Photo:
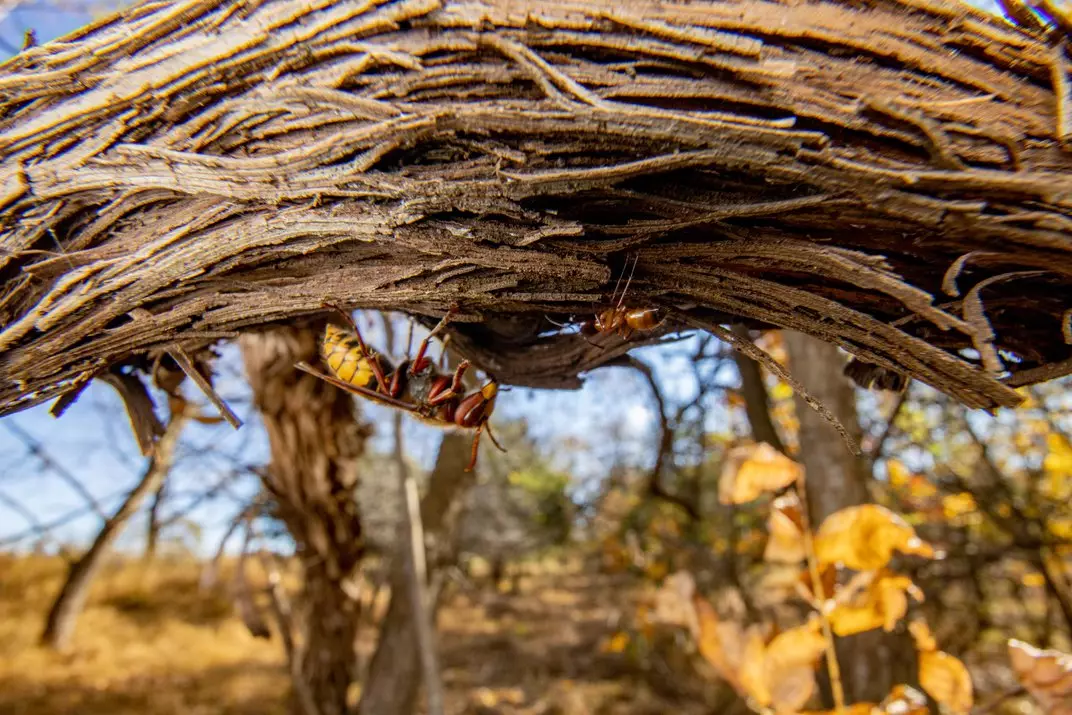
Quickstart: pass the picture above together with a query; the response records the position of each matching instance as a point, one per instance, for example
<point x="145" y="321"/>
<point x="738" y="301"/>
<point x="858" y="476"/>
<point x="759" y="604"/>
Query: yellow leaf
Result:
<point x="1045" y="674"/>
<point x="881" y="605"/>
<point x="1033" y="580"/>
<point x="1059" y="454"/>
<point x="864" y="538"/>
<point x="897" y="473"/>
<point x="751" y="470"/>
<point x="920" y="488"/>
<point x="797" y="646"/>
<point x="956" y="505"/>
<point x="923" y="637"/>
<point x="946" y="680"/>
<point x="617" y="644"/>
<point x="781" y="391"/>
<point x="785" y="543"/>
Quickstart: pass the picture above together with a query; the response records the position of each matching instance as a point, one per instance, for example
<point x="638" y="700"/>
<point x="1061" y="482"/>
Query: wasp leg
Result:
<point x="476" y="444"/>
<point x="456" y="387"/>
<point x="593" y="343"/>
<point x="418" y="359"/>
<point x="491" y="436"/>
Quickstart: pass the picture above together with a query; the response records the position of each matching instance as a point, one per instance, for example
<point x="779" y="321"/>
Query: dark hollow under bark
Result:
<point x="887" y="175"/>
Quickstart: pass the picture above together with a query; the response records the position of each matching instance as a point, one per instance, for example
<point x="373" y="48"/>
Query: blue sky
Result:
<point x="93" y="441"/>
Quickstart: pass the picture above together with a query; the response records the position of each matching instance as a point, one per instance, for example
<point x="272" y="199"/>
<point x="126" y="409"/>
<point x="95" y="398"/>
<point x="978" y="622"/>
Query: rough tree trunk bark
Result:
<point x="63" y="616"/>
<point x="872" y="662"/>
<point x="394" y="678"/>
<point x="315" y="439"/>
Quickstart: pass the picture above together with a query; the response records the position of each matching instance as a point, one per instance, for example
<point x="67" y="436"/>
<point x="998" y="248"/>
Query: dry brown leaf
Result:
<point x="1045" y="674"/>
<point x="673" y="603"/>
<point x="904" y="700"/>
<point x="854" y="709"/>
<point x="791" y="689"/>
<point x="827" y="580"/>
<point x="790" y="666"/>
<point x="785" y="542"/>
<point x="753" y="673"/>
<point x="864" y="538"/>
<point x="882" y="604"/>
<point x="749" y="471"/>
<point x="720" y="643"/>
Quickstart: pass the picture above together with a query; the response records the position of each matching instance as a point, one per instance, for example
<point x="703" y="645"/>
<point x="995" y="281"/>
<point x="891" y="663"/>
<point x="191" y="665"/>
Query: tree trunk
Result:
<point x="152" y="528"/>
<point x="872" y="662"/>
<point x="315" y="439"/>
<point x="63" y="616"/>
<point x="394" y="678"/>
<point x="837" y="168"/>
<point x="756" y="400"/>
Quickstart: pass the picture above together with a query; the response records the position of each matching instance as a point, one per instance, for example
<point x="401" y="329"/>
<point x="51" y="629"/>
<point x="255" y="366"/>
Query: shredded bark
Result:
<point x="188" y="170"/>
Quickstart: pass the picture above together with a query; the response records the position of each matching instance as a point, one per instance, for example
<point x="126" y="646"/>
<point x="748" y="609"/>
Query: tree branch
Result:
<point x="42" y="455"/>
<point x="666" y="445"/>
<point x="754" y="158"/>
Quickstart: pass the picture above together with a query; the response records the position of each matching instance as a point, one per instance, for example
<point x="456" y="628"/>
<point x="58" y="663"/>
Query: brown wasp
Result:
<point x="621" y="319"/>
<point x="414" y="386"/>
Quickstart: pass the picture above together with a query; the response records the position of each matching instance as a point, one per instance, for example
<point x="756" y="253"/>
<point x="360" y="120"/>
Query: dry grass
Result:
<point x="150" y="641"/>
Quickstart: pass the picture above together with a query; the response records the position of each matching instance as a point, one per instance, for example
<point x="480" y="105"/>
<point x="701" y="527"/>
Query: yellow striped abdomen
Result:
<point x="343" y="355"/>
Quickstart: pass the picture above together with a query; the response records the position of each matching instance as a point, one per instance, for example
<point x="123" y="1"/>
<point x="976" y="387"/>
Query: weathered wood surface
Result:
<point x="886" y="175"/>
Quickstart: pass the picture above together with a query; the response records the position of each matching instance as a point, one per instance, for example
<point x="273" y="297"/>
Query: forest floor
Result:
<point x="155" y="640"/>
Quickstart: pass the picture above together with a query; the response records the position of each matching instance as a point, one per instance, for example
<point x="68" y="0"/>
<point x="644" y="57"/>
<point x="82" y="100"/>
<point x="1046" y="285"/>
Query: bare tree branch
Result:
<point x="665" y="446"/>
<point x="874" y="450"/>
<point x="38" y="450"/>
<point x="36" y="527"/>
<point x="422" y="607"/>
<point x="756" y="398"/>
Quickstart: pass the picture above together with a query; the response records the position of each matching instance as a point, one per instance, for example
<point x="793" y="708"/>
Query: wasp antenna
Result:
<point x="550" y="320"/>
<point x="617" y="284"/>
<point x="345" y="315"/>
<point x="636" y="257"/>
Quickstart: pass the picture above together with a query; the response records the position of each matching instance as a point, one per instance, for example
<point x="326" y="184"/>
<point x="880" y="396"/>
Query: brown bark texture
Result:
<point x="314" y="439"/>
<point x="887" y="175"/>
<point x="69" y="603"/>
<point x="873" y="662"/>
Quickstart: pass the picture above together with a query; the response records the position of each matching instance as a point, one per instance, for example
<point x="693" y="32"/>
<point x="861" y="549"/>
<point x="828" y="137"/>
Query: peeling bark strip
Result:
<point x="193" y="168"/>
